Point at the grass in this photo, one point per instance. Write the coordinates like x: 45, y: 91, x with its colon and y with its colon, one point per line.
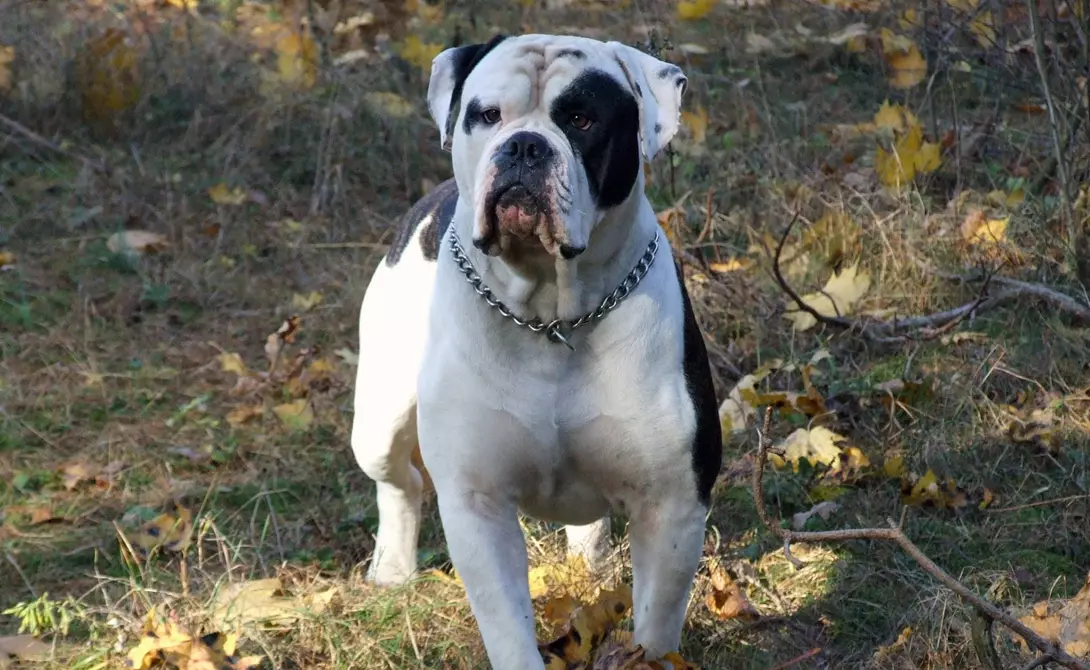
x: 111, y: 359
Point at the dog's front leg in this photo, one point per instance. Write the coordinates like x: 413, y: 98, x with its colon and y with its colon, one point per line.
x: 488, y: 550
x: 667, y: 539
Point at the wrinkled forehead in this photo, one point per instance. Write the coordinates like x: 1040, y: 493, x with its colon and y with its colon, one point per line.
x: 545, y: 64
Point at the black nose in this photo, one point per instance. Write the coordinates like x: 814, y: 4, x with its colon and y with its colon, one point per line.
x: 527, y: 146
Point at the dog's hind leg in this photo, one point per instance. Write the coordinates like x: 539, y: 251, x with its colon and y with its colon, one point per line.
x: 591, y: 542
x: 392, y: 331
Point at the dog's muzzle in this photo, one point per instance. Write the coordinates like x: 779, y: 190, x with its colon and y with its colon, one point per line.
x: 520, y: 205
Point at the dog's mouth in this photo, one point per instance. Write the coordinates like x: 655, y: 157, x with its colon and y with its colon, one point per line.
x: 517, y: 211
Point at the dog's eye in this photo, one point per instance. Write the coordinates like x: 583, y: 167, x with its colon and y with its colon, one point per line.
x: 490, y: 116
x: 581, y: 121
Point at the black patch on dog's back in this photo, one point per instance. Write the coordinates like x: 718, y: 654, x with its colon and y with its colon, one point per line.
x: 707, y: 450
x: 464, y: 60
x: 609, y: 149
x: 436, y: 206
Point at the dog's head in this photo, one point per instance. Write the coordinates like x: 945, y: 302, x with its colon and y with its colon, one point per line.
x: 549, y: 133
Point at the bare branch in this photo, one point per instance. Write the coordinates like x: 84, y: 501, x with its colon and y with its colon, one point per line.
x: 97, y: 166
x: 895, y: 534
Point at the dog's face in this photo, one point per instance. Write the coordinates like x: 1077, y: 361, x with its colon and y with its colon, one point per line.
x: 549, y: 133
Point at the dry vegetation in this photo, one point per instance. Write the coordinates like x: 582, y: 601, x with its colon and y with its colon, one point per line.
x: 162, y: 454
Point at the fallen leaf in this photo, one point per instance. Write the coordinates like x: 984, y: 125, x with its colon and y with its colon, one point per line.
x: 108, y: 77
x: 172, y: 532
x: 307, y: 302
x: 255, y: 601
x: 691, y: 10
x: 297, y: 60
x: 588, y: 625
x: 232, y: 362
x: 296, y: 415
x: 7, y: 261
x: 138, y: 241
x: 817, y: 445
x: 852, y: 36
x: 838, y: 298
x: 979, y: 230
x: 910, y: 156
x: 221, y: 194
x: 726, y: 599
x: 822, y: 510
x: 75, y: 473
x: 732, y: 265
x: 285, y: 334
x: 244, y: 413
x: 1063, y: 623
x: 928, y: 491
x: 907, y: 65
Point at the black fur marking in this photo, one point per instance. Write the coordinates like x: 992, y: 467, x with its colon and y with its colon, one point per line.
x: 571, y: 53
x: 669, y: 71
x: 681, y: 83
x: 707, y: 453
x: 609, y: 149
x: 465, y: 59
x: 439, y: 205
x: 658, y: 128
x: 472, y: 118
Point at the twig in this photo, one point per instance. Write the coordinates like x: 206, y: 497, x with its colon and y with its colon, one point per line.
x: 1039, y: 662
x: 1039, y: 503
x: 896, y: 535
x: 798, y: 659
x: 97, y: 166
x: 887, y: 332
x: 1050, y: 105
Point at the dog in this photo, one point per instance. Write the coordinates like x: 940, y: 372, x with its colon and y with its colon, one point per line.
x: 527, y: 333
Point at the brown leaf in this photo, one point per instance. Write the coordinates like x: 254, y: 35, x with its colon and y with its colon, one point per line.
x: 74, y: 474
x: 244, y: 413
x: 726, y: 599
x: 139, y: 241
x: 22, y: 648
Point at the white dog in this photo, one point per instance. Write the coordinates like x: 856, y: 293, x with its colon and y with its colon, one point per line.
x: 529, y: 330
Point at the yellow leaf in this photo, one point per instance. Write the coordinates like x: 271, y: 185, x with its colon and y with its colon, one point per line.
x: 306, y: 302
x: 389, y: 104
x: 419, y: 53
x: 588, y: 624
x: 983, y: 29
x: 909, y: 19
x: 296, y: 415
x: 222, y: 195
x: 838, y: 297
x: 690, y: 10
x: 910, y: 156
x: 297, y: 60
x: 138, y: 241
x: 979, y: 230
x: 156, y: 641
x: 232, y: 362
x: 7, y: 56
x: 894, y: 467
x: 731, y: 265
x: 892, y: 43
x: 255, y: 601
x: 818, y: 445
x: 737, y: 409
x: 172, y: 532
x: 74, y: 474
x: 7, y: 260
x: 696, y: 123
x: 928, y: 491
x: 908, y: 69
x: 244, y: 413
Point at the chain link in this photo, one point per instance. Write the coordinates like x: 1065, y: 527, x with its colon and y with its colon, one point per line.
x: 555, y: 330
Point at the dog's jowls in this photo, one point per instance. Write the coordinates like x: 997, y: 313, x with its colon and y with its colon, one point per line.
x: 544, y: 219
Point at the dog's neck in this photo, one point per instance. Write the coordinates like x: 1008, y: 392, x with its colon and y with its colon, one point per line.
x: 534, y: 284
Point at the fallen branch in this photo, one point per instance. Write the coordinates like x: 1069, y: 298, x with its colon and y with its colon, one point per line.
x: 894, y: 533
x: 931, y: 325
x: 887, y: 332
x: 97, y: 166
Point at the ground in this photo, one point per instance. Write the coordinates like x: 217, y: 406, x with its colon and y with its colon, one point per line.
x: 268, y: 169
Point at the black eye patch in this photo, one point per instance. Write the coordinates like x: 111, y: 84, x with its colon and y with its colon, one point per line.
x: 609, y: 149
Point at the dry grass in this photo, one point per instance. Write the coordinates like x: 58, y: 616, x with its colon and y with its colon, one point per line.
x: 104, y: 359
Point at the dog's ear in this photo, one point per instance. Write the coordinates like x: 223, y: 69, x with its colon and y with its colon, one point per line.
x: 658, y: 87
x: 448, y: 74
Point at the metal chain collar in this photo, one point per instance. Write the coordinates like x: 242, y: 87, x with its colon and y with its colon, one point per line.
x: 556, y: 330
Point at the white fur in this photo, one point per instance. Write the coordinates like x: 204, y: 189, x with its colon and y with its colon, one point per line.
x: 507, y: 420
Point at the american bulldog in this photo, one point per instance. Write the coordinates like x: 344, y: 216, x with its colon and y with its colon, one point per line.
x: 530, y: 332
